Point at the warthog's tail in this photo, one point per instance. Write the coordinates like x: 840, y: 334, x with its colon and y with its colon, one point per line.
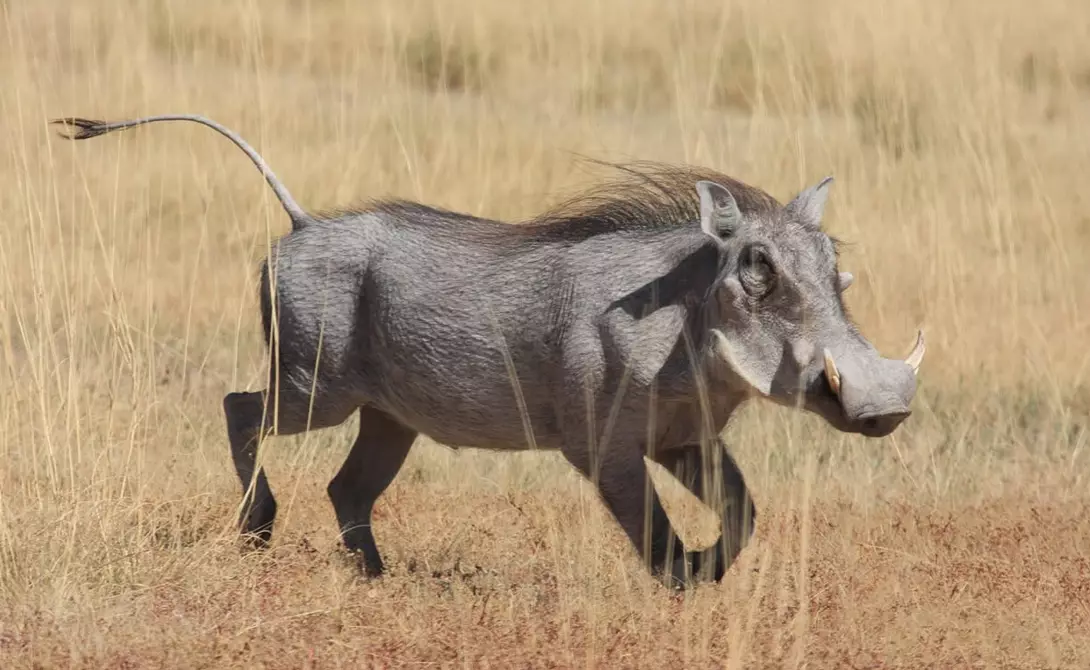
x: 87, y: 128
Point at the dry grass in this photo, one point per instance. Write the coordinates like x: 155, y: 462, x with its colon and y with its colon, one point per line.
x: 958, y: 136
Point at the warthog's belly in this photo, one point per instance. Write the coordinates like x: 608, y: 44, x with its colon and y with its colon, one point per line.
x: 475, y: 421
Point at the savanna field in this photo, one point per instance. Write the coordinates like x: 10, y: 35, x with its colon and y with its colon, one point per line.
x: 959, y: 138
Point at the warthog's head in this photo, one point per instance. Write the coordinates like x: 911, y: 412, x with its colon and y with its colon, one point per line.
x: 777, y: 320
x: 753, y: 281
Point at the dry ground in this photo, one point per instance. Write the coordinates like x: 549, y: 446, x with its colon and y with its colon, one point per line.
x: 957, y: 133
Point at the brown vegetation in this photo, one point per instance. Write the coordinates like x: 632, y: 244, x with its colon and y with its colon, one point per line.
x: 958, y: 137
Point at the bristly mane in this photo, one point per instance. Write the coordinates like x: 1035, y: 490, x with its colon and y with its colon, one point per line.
x: 647, y: 195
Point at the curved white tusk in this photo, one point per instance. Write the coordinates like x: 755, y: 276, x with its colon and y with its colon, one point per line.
x: 916, y: 357
x: 831, y: 373
x: 844, y: 280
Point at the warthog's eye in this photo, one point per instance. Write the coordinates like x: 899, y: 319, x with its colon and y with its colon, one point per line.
x: 756, y: 271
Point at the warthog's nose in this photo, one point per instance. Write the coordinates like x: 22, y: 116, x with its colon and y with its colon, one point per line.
x: 874, y: 392
x: 880, y: 425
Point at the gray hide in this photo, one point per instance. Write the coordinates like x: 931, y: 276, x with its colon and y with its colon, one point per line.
x: 630, y: 321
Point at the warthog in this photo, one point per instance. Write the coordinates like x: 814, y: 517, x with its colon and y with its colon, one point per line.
x: 629, y: 322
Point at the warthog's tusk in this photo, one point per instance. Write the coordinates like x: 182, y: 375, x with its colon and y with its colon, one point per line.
x: 916, y: 357
x: 844, y: 280
x: 831, y: 373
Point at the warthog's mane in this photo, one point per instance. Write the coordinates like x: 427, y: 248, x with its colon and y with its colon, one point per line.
x: 643, y: 196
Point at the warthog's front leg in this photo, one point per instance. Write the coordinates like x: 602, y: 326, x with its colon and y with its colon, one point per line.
x: 372, y: 464
x: 736, y: 510
x: 624, y: 483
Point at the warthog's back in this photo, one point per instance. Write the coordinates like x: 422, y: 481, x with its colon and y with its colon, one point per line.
x: 417, y: 314
x: 431, y: 316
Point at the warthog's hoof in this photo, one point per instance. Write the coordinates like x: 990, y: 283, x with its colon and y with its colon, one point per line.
x: 256, y: 526
x: 256, y: 541
x: 369, y: 566
x: 681, y: 579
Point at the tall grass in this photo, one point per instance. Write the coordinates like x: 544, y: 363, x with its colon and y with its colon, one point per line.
x: 958, y: 138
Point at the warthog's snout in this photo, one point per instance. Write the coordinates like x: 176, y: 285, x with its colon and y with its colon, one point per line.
x: 873, y: 393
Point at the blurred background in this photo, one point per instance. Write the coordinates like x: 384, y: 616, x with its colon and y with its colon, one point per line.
x: 958, y: 136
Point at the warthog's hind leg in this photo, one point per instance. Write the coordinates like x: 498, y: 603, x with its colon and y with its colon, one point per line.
x: 736, y: 510
x: 245, y: 413
x: 374, y: 461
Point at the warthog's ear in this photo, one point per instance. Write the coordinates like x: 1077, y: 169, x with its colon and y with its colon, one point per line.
x: 719, y: 213
x: 809, y: 205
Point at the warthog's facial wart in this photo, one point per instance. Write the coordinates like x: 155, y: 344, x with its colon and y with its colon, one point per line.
x: 779, y: 322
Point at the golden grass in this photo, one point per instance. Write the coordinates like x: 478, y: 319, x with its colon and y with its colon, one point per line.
x: 958, y: 137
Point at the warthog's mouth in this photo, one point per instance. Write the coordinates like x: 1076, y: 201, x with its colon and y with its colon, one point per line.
x: 875, y: 405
